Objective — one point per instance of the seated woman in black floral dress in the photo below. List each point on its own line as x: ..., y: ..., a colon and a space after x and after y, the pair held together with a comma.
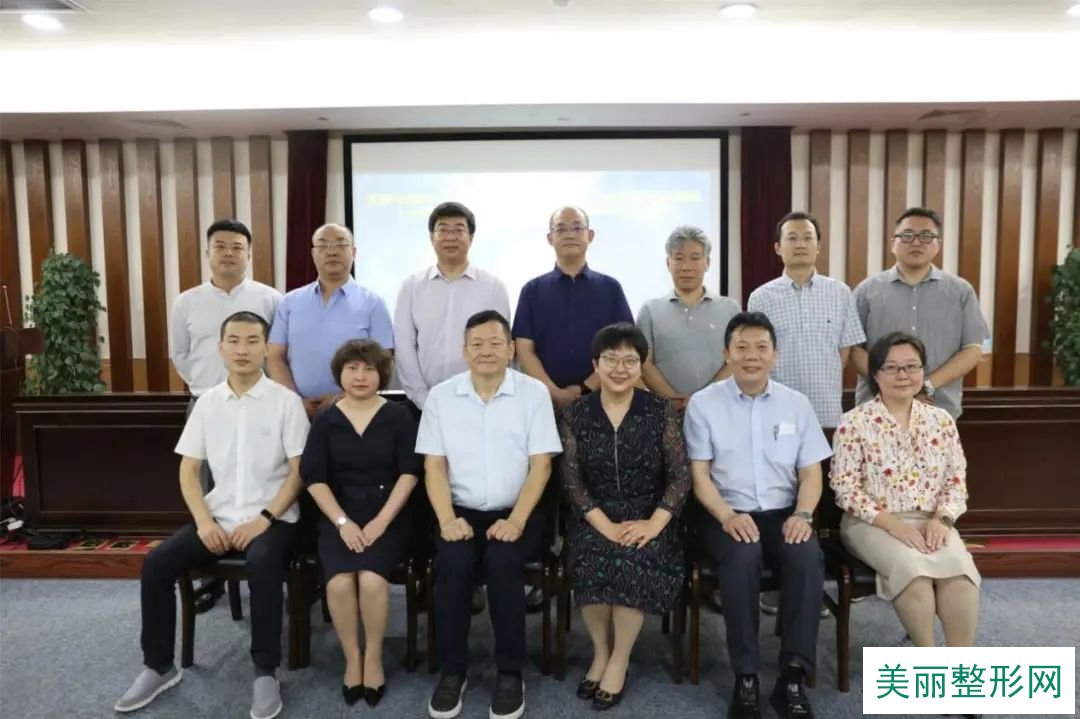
x: 625, y: 471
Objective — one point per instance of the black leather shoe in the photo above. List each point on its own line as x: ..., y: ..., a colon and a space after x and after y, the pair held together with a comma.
x: 214, y: 589
x: 744, y: 700
x: 587, y: 689
x: 374, y: 695
x: 789, y: 700
x: 479, y: 601
x: 604, y: 700
x: 352, y: 694
x: 534, y: 600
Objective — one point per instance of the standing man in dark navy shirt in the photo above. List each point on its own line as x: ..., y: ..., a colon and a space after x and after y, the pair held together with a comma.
x: 559, y: 312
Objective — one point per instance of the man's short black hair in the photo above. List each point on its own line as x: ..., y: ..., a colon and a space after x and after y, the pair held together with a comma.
x: 748, y: 319
x: 798, y: 215
x: 620, y: 334
x: 249, y: 318
x: 451, y: 209
x: 485, y: 316
x: 367, y: 351
x: 229, y: 226
x: 879, y: 352
x: 919, y: 212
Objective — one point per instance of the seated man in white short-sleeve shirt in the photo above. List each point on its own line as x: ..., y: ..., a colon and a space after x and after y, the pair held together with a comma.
x: 252, y: 432
x: 488, y: 435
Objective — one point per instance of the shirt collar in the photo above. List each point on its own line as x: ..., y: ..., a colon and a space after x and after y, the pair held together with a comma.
x: 894, y: 275
x: 434, y: 271
x: 350, y: 287
x: 255, y: 392
x: 243, y: 284
x: 709, y: 295
x: 790, y: 281
x: 920, y: 413
x: 733, y: 389
x: 465, y: 388
x: 585, y: 273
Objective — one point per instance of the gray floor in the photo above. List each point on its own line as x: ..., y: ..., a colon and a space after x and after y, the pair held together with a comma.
x: 69, y: 648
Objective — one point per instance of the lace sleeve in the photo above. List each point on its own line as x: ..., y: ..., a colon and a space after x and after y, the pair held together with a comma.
x: 573, y: 479
x: 676, y: 463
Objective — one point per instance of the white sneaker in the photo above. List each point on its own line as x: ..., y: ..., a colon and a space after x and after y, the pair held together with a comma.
x: 146, y: 688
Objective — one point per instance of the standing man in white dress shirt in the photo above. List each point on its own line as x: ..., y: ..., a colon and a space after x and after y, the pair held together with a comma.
x: 251, y: 431
x: 434, y: 304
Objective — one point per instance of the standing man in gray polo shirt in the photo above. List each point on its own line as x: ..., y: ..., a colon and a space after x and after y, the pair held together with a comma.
x: 685, y: 328
x: 939, y: 308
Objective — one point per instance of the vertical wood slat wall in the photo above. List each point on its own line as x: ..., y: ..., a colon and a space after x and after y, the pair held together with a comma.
x: 1009, y: 201
x: 136, y: 265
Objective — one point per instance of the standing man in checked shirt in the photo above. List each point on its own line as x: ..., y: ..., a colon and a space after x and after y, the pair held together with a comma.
x: 816, y: 326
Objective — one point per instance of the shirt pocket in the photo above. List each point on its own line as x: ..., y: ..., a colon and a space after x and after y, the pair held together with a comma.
x: 782, y: 449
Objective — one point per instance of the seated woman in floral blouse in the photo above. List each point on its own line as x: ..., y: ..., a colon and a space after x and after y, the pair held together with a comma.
x: 625, y: 471
x: 898, y: 472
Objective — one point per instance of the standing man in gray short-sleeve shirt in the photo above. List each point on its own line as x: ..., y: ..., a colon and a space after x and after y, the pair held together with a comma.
x: 685, y: 327
x: 939, y: 308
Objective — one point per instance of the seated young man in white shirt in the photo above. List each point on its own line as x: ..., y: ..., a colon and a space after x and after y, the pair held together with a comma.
x: 488, y: 435
x: 252, y: 432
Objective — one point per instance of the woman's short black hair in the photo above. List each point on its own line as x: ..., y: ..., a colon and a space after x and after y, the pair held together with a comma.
x: 620, y: 334
x: 448, y: 210
x: 749, y: 319
x: 879, y: 352
x: 370, y: 353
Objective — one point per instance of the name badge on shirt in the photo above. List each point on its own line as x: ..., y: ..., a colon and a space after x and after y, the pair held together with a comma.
x: 785, y: 429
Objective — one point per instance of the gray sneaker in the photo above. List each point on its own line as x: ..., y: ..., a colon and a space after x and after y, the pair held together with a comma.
x: 146, y: 688
x: 265, y: 698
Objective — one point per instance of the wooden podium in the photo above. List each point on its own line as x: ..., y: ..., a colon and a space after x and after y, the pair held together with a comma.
x: 15, y: 344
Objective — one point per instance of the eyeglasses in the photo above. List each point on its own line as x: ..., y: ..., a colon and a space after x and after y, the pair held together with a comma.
x: 444, y: 231
x: 568, y: 229
x: 630, y: 362
x: 909, y: 369
x: 925, y: 237
x: 324, y: 246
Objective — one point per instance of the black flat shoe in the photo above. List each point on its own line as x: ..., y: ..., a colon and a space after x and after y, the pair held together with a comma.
x: 604, y: 700
x: 352, y: 694
x: 587, y: 689
x: 373, y: 695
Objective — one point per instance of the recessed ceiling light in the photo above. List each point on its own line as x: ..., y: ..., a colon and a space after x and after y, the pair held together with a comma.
x: 739, y: 10
x: 386, y: 14
x: 1074, y: 11
x: 39, y: 21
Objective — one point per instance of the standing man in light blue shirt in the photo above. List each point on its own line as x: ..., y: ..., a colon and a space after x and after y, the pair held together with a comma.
x: 488, y: 435
x: 756, y: 448
x: 314, y: 320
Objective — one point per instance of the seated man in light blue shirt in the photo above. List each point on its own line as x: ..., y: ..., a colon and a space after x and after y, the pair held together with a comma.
x: 755, y: 448
x: 314, y: 320
x: 488, y: 435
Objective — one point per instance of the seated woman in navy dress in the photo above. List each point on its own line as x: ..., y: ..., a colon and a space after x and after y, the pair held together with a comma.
x: 360, y: 468
x: 626, y: 474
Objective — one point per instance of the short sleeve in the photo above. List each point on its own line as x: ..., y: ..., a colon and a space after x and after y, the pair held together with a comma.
x: 193, y: 439
x: 975, y: 330
x: 862, y: 304
x: 295, y: 425
x: 813, y: 447
x: 543, y: 433
x: 382, y: 328
x: 501, y: 299
x: 315, y: 460
x: 523, y: 319
x: 429, y: 437
x: 644, y: 323
x: 756, y: 303
x: 853, y: 333
x: 279, y: 328
x: 408, y: 461
x: 696, y: 429
x: 621, y: 308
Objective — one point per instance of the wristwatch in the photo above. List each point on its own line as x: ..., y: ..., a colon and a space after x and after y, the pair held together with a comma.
x: 341, y: 521
x: 928, y: 388
x: 946, y: 520
x: 808, y: 516
x: 269, y: 516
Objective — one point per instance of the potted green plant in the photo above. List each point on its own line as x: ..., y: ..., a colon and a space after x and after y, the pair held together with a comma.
x: 65, y: 306
x: 1065, y: 323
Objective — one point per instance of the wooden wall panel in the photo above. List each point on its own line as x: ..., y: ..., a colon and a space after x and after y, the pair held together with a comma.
x: 820, y: 172
x: 1076, y: 200
x: 973, y: 165
x: 262, y: 211
x: 153, y: 266
x: 76, y: 199
x: 39, y: 204
x: 934, y: 172
x: 896, y: 170
x: 858, y: 205
x: 222, y: 160
x: 1048, y: 203
x: 9, y: 243
x: 114, y: 229
x: 1006, y: 279
x: 188, y: 232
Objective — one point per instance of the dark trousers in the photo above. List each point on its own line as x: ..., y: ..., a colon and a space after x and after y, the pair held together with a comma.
x: 801, y: 568
x: 266, y: 559
x: 460, y: 566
